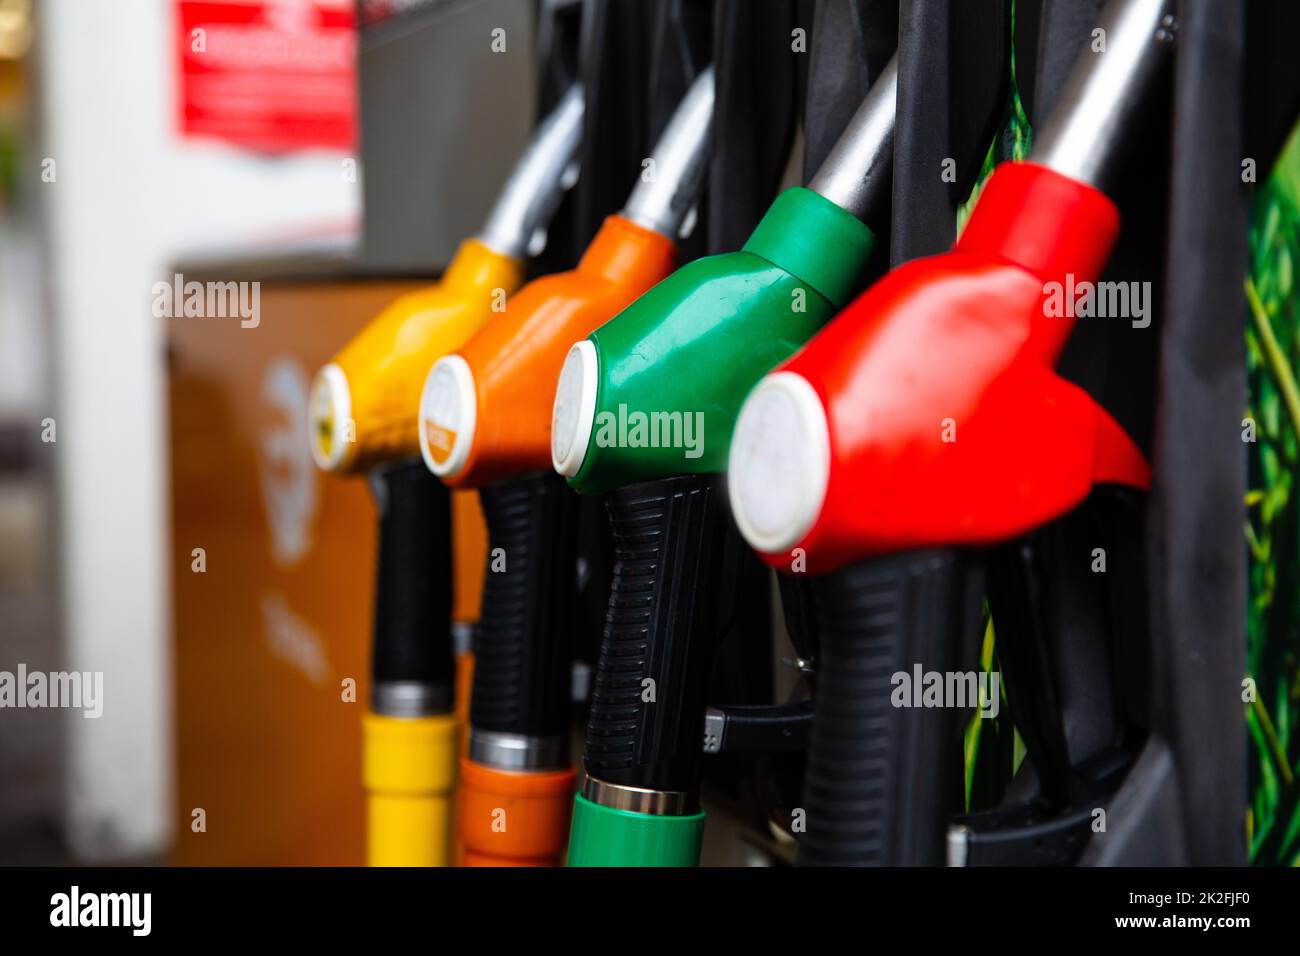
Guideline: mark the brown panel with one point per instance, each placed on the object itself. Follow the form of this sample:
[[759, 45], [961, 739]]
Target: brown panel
[[265, 636]]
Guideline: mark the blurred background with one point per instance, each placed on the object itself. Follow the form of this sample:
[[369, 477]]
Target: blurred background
[[145, 139]]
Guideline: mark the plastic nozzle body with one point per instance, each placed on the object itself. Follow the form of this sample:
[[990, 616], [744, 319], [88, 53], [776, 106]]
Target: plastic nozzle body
[[485, 413], [665, 378], [655, 392], [929, 412], [363, 404]]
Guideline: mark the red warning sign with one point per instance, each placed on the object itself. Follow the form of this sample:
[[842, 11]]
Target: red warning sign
[[270, 75]]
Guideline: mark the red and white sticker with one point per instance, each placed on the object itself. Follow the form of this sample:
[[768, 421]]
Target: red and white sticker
[[269, 75]]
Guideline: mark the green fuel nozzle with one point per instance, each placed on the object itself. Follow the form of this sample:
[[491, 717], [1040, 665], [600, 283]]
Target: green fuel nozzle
[[655, 391], [645, 405]]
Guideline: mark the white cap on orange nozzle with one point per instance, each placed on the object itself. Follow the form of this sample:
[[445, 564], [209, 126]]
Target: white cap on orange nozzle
[[448, 416]]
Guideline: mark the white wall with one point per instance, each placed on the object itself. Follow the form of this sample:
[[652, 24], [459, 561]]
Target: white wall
[[128, 199]]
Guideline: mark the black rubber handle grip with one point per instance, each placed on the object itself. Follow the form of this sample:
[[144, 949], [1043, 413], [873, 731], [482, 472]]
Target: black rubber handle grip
[[882, 780], [661, 627], [412, 625], [523, 646], [1070, 634]]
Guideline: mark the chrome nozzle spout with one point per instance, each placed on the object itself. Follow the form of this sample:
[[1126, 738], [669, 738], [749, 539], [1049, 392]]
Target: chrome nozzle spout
[[662, 200], [533, 192], [856, 175], [1105, 89]]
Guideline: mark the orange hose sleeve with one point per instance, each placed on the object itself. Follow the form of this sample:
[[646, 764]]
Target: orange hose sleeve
[[514, 818]]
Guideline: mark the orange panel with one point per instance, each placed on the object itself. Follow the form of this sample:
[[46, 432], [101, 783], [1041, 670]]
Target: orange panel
[[280, 618]]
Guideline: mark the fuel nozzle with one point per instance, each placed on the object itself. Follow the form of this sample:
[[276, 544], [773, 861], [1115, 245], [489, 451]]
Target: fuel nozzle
[[485, 411], [362, 416], [912, 347], [925, 422], [685, 354], [644, 409], [363, 403]]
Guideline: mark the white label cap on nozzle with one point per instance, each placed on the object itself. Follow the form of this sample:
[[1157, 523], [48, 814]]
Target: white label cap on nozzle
[[779, 463], [330, 415], [448, 414], [575, 408]]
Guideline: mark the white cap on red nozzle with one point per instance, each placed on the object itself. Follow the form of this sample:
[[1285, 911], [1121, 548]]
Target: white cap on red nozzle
[[779, 463]]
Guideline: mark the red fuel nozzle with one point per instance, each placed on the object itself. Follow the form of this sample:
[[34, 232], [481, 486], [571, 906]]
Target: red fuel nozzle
[[929, 412]]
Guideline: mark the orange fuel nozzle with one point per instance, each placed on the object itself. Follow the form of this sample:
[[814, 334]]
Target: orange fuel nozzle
[[486, 411]]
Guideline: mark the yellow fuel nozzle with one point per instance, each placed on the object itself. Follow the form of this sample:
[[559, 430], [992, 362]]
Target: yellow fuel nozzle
[[363, 418], [364, 402]]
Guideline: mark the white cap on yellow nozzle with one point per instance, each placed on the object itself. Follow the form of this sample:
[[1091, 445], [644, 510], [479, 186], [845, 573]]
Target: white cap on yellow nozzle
[[330, 414]]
